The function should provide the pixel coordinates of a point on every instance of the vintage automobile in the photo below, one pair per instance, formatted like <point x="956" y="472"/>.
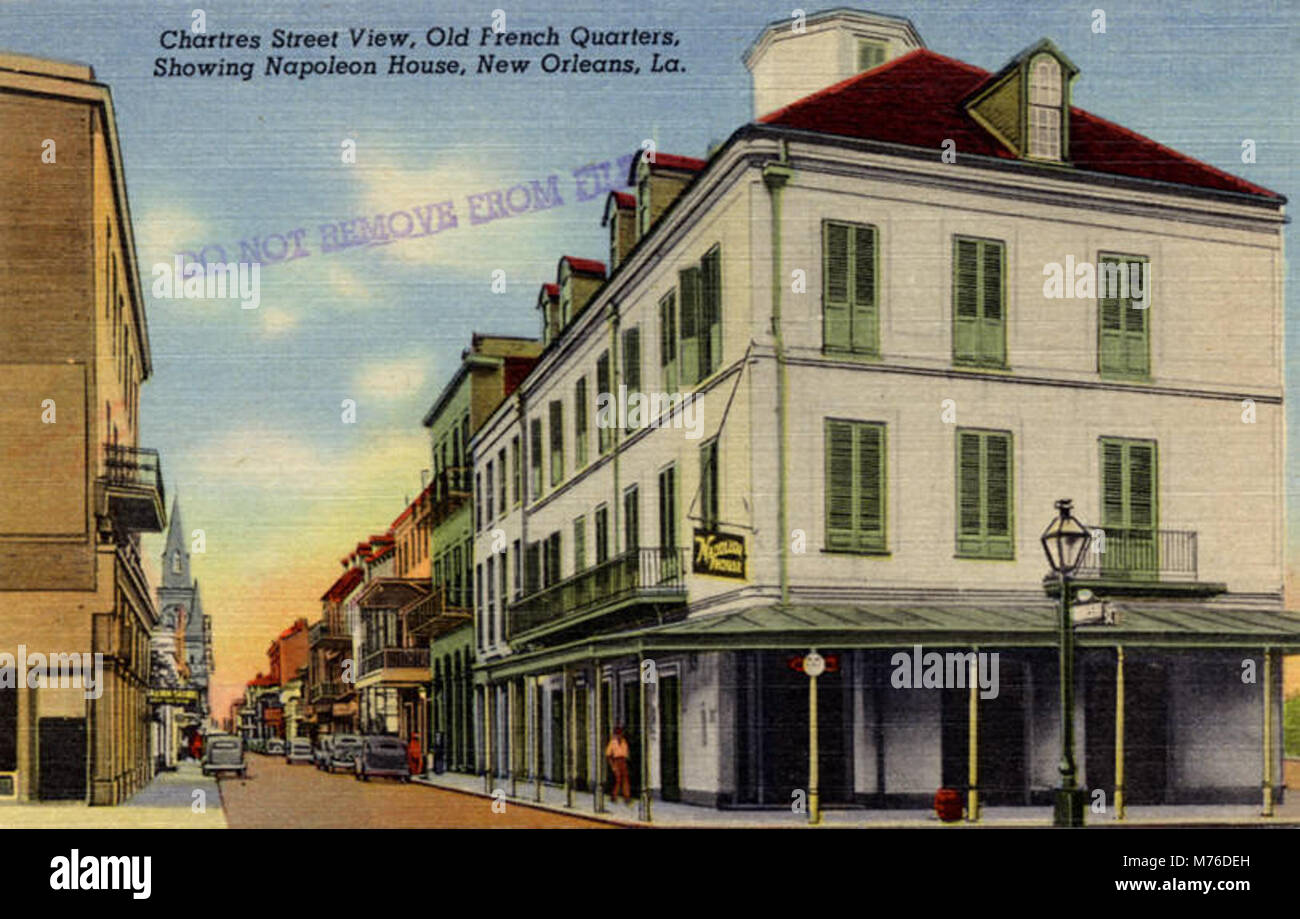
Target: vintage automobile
<point x="343" y="752"/>
<point x="225" y="753"/>
<point x="298" y="750"/>
<point x="381" y="755"/>
<point x="321" y="755"/>
<point x="275" y="747"/>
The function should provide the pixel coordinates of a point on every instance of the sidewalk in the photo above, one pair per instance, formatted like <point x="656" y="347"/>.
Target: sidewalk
<point x="674" y="815"/>
<point x="167" y="802"/>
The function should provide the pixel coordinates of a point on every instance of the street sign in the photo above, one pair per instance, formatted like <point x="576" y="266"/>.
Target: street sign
<point x="830" y="664"/>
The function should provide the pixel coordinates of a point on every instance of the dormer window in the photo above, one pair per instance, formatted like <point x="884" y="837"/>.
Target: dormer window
<point x="871" y="54"/>
<point x="566" y="297"/>
<point x="1045" y="108"/>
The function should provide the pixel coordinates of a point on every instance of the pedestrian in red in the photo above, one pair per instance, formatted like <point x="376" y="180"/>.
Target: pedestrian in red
<point x="414" y="758"/>
<point x="616" y="753"/>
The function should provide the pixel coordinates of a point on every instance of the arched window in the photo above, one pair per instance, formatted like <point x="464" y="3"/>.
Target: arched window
<point x="1045" y="108"/>
<point x="176" y="561"/>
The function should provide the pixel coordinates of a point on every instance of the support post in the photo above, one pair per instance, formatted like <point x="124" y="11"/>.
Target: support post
<point x="1119" y="732"/>
<point x="566" y="697"/>
<point x="814" y="793"/>
<point x="489" y="727"/>
<point x="1069" y="797"/>
<point x="598" y="761"/>
<point x="644" y="741"/>
<point x="1268" y="733"/>
<point x="512" y="717"/>
<point x="973" y="747"/>
<point x="537" y="738"/>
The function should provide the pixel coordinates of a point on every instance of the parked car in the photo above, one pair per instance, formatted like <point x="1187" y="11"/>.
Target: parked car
<point x="225" y="753"/>
<point x="382" y="756"/>
<point x="298" y="750"/>
<point x="275" y="747"/>
<point x="321" y="755"/>
<point x="343" y="752"/>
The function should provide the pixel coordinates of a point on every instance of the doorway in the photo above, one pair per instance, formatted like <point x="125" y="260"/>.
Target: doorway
<point x="62" y="759"/>
<point x="670" y="700"/>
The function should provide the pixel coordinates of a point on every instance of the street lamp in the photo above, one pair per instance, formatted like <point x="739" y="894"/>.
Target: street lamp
<point x="1065" y="541"/>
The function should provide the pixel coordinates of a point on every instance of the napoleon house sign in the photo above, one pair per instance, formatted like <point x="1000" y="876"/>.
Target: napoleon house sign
<point x="719" y="554"/>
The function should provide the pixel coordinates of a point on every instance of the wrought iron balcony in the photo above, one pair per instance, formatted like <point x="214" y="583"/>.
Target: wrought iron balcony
<point x="132" y="489"/>
<point x="433" y="616"/>
<point x="395" y="659"/>
<point x="650" y="575"/>
<point x="451" y="488"/>
<point x="320" y="633"/>
<point x="1140" y="561"/>
<point x="326" y="692"/>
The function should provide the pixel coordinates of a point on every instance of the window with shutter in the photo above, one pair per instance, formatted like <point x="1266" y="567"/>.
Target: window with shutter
<point x="855" y="486"/>
<point x="709" y="484"/>
<point x="557" y="442"/>
<point x="1123" y="325"/>
<point x="849" y="269"/>
<point x="631" y="519"/>
<point x="580" y="424"/>
<point x="535" y="459"/>
<point x="870" y="54"/>
<point x="604" y="432"/>
<point x="979" y="302"/>
<point x="668" y="508"/>
<point x="1129" y="507"/>
<point x="668" y="341"/>
<point x="602" y="534"/>
<point x="710" y="327"/>
<point x="516" y="475"/>
<point x="579" y="544"/>
<point x="501" y="473"/>
<point x="689" y="353"/>
<point x="984" y="494"/>
<point x="632" y="360"/>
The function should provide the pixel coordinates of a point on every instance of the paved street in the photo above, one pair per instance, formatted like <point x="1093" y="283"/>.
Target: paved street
<point x="300" y="796"/>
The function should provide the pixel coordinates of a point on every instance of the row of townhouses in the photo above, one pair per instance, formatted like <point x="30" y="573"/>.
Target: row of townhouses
<point x="824" y="395"/>
<point x="98" y="689"/>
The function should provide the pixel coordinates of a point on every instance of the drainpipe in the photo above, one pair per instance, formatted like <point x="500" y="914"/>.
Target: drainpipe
<point x="776" y="174"/>
<point x="615" y="369"/>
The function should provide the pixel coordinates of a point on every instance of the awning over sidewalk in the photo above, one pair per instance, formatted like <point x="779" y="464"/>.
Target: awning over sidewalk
<point x="863" y="626"/>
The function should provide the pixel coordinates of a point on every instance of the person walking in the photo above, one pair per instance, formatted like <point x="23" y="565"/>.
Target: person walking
<point x="616" y="754"/>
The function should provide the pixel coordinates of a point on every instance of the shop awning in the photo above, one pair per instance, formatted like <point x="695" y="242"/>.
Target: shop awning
<point x="1153" y="624"/>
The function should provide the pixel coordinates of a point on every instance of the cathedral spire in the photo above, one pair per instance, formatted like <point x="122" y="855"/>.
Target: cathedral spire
<point x="176" y="555"/>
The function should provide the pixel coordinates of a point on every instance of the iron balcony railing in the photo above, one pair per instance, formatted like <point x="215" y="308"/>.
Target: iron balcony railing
<point x="451" y="487"/>
<point x="395" y="658"/>
<point x="1140" y="555"/>
<point x="133" y="466"/>
<point x="650" y="573"/>
<point x="320" y="632"/>
<point x="325" y="692"/>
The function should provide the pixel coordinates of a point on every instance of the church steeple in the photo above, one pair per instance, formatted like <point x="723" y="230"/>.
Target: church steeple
<point x="176" y="555"/>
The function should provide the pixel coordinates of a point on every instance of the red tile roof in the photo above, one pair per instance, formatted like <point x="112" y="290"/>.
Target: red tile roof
<point x="917" y="100"/>
<point x="624" y="200"/>
<point x="664" y="161"/>
<point x="516" y="369"/>
<point x="343" y="586"/>
<point x="585" y="265"/>
<point x="552" y="290"/>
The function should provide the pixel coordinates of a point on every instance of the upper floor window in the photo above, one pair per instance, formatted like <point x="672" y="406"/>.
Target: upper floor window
<point x="1123" y="320"/>
<point x="535" y="459"/>
<point x="700" y="318"/>
<point x="557" y="441"/>
<point x="849" y="267"/>
<point x="984" y="494"/>
<point x="632" y="359"/>
<point x="604" y="432"/>
<point x="668" y="341"/>
<point x="1045" y="108"/>
<point x="871" y="54"/>
<point x="979" y="314"/>
<point x="580" y="409"/>
<point x="855" y="486"/>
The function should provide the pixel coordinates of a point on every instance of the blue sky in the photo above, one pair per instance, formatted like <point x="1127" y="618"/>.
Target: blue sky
<point x="245" y="405"/>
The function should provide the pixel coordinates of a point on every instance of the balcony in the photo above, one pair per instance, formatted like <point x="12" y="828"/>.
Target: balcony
<point x="131" y="489"/>
<point x="642" y="583"/>
<point x="320" y="634"/>
<point x="451" y="489"/>
<point x="432" y="616"/>
<point x="1141" y="562"/>
<point x="395" y="667"/>
<point x="327" y="692"/>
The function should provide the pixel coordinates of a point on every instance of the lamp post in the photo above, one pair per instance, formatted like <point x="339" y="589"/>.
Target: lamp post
<point x="1065" y="541"/>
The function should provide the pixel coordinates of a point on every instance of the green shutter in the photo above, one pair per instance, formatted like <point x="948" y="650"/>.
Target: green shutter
<point x="985" y="521"/>
<point x="604" y="432"/>
<point x="710" y="329"/>
<point x="689" y="357"/>
<point x="1113" y="514"/>
<point x="1123" y="329"/>
<point x="580" y="424"/>
<point x="865" y="323"/>
<point x="632" y="360"/>
<point x="979" y="302"/>
<point x="855" y="486"/>
<point x="1130" y="513"/>
<point x="579" y="544"/>
<point x="837" y="325"/>
<point x="668" y="341"/>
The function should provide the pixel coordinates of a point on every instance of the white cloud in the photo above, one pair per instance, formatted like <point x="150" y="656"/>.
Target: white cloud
<point x="162" y="232"/>
<point x="392" y="378"/>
